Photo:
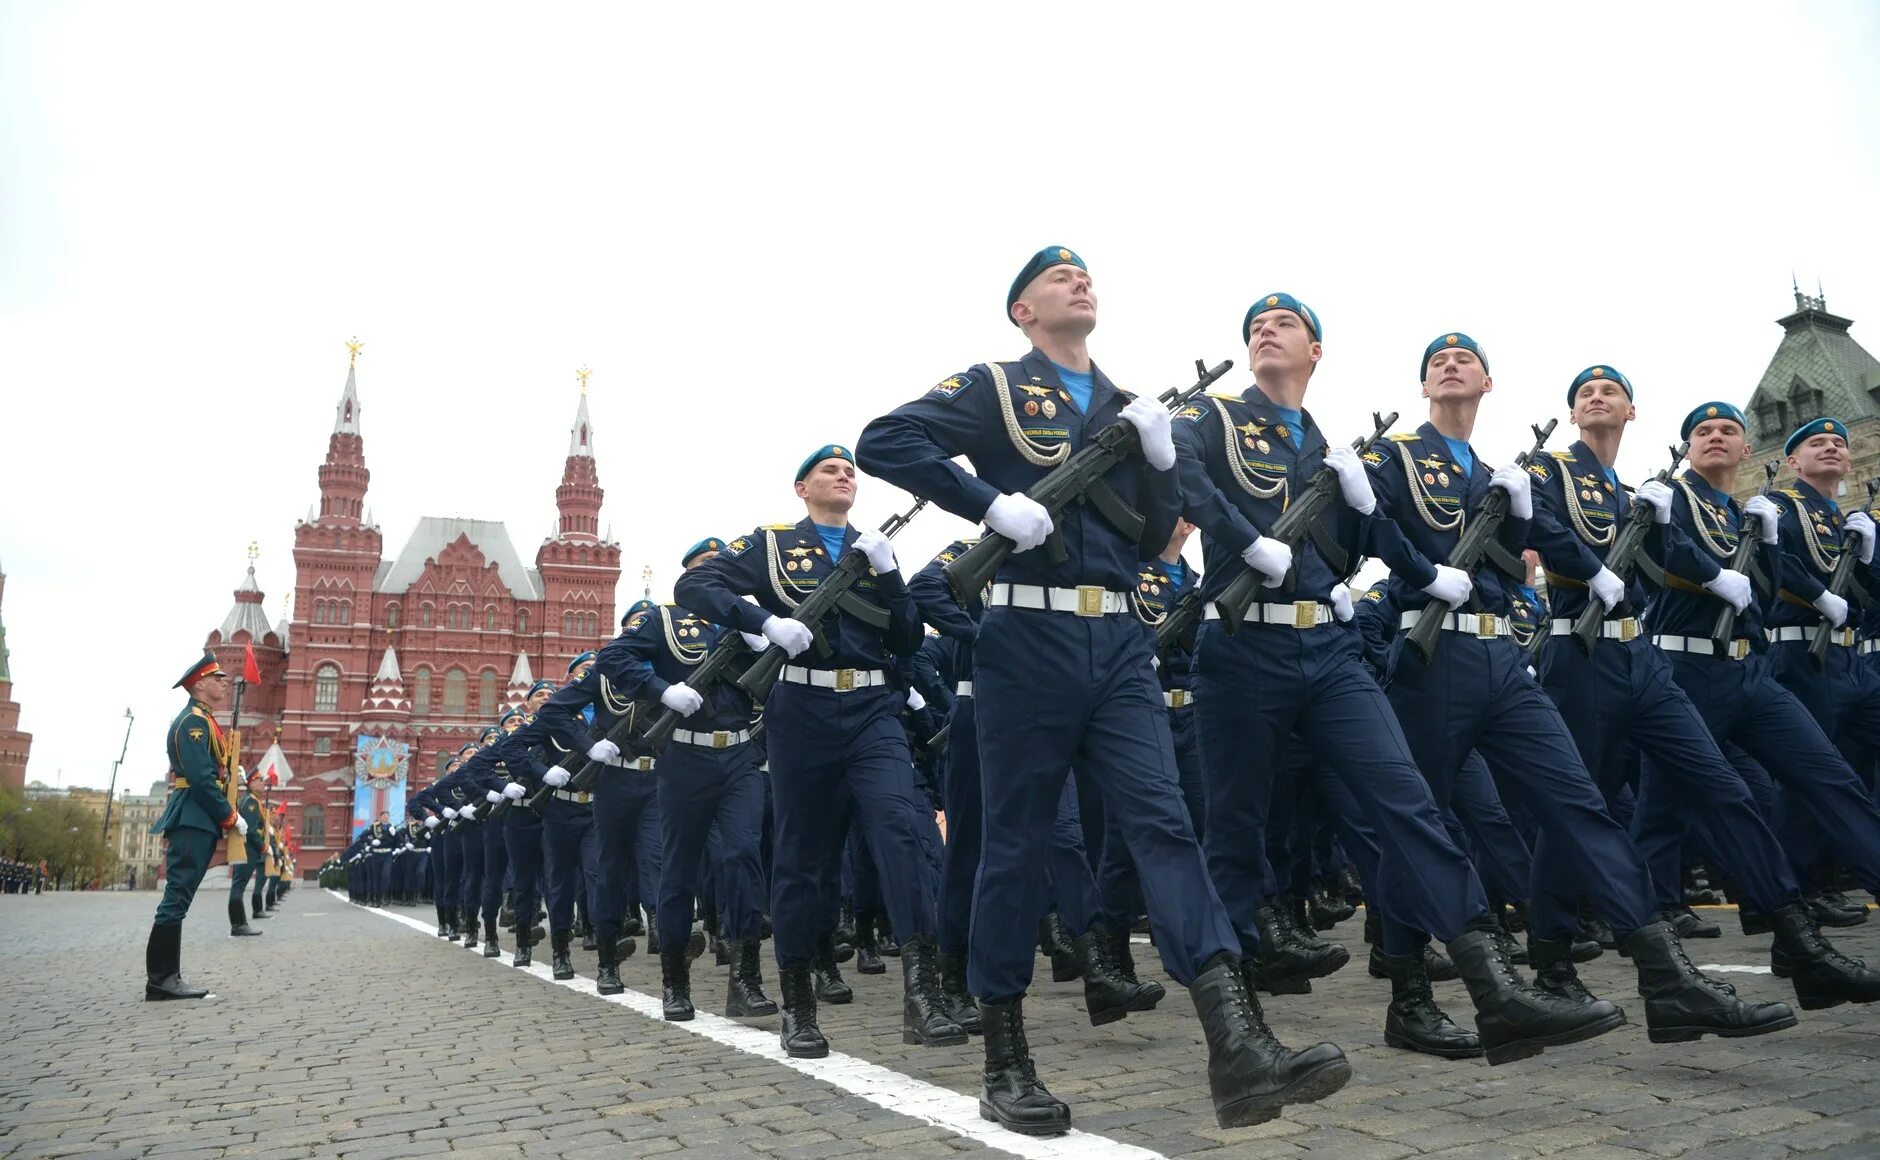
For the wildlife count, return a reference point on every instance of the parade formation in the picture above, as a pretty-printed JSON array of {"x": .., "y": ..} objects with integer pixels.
[{"x": 1060, "y": 733}]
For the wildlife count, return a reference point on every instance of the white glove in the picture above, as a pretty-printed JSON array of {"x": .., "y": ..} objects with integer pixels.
[
  {"x": 1862, "y": 523},
  {"x": 1020, "y": 519},
  {"x": 514, "y": 791},
  {"x": 1353, "y": 483},
  {"x": 1150, "y": 419},
  {"x": 469, "y": 813},
  {"x": 430, "y": 823},
  {"x": 557, "y": 777},
  {"x": 879, "y": 549},
  {"x": 1514, "y": 481},
  {"x": 754, "y": 642},
  {"x": 681, "y": 699},
  {"x": 603, "y": 751},
  {"x": 1341, "y": 599},
  {"x": 1732, "y": 586},
  {"x": 1451, "y": 586},
  {"x": 1269, "y": 557},
  {"x": 1768, "y": 516},
  {"x": 1833, "y": 608},
  {"x": 1659, "y": 496},
  {"x": 450, "y": 813},
  {"x": 1608, "y": 587},
  {"x": 492, "y": 796},
  {"x": 915, "y": 701},
  {"x": 242, "y": 825},
  {"x": 793, "y": 636}
]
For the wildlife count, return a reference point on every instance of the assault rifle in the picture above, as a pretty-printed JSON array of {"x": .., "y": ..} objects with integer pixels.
[
  {"x": 1839, "y": 582},
  {"x": 1623, "y": 556},
  {"x": 1742, "y": 560},
  {"x": 1178, "y": 627},
  {"x": 1079, "y": 479}
]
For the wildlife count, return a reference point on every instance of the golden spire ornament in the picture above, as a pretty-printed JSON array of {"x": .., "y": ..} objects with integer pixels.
[
  {"x": 354, "y": 346},
  {"x": 583, "y": 374}
]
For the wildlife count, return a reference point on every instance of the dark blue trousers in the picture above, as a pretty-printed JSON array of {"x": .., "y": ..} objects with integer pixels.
[
  {"x": 965, "y": 827},
  {"x": 495, "y": 864},
  {"x": 826, "y": 746},
  {"x": 446, "y": 870},
  {"x": 1119, "y": 890},
  {"x": 571, "y": 859},
  {"x": 1501, "y": 855},
  {"x": 1258, "y": 689},
  {"x": 1073, "y": 887},
  {"x": 470, "y": 864},
  {"x": 1477, "y": 694},
  {"x": 711, "y": 805},
  {"x": 522, "y": 844},
  {"x": 627, "y": 820},
  {"x": 1056, "y": 691}
]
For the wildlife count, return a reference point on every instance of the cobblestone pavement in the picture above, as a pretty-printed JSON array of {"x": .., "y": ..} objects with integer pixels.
[{"x": 345, "y": 1033}]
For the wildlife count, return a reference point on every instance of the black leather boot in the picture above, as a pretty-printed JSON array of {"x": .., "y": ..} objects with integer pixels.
[
  {"x": 163, "y": 972},
  {"x": 959, "y": 1001},
  {"x": 843, "y": 937},
  {"x": 1285, "y": 966},
  {"x": 831, "y": 987},
  {"x": 745, "y": 998},
  {"x": 675, "y": 981},
  {"x": 1682, "y": 1003},
  {"x": 1596, "y": 929},
  {"x": 1373, "y": 927},
  {"x": 238, "y": 921},
  {"x": 800, "y": 1036},
  {"x": 1832, "y": 908},
  {"x": 470, "y": 927},
  {"x": 524, "y": 943},
  {"x": 560, "y": 965},
  {"x": 1435, "y": 964},
  {"x": 652, "y": 931},
  {"x": 1012, "y": 1096},
  {"x": 633, "y": 925},
  {"x": 1414, "y": 1022},
  {"x": 1822, "y": 976},
  {"x": 607, "y": 977},
  {"x": 588, "y": 942},
  {"x": 506, "y": 913},
  {"x": 867, "y": 954},
  {"x": 443, "y": 921},
  {"x": 1054, "y": 938},
  {"x": 1553, "y": 969},
  {"x": 490, "y": 948},
  {"x": 1328, "y": 907},
  {"x": 1251, "y": 1075},
  {"x": 1109, "y": 994},
  {"x": 1753, "y": 921},
  {"x": 625, "y": 946},
  {"x": 1686, "y": 922},
  {"x": 885, "y": 941},
  {"x": 1513, "y": 1019},
  {"x": 924, "y": 1016}
]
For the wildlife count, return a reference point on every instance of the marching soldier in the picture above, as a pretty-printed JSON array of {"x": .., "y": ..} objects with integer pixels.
[
  {"x": 255, "y": 839},
  {"x": 195, "y": 816}
]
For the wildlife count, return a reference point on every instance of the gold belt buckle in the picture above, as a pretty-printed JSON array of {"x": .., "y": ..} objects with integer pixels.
[
  {"x": 581, "y": 797},
  {"x": 1485, "y": 626},
  {"x": 1089, "y": 600},
  {"x": 1846, "y": 637},
  {"x": 1177, "y": 698},
  {"x": 720, "y": 739},
  {"x": 1305, "y": 613},
  {"x": 845, "y": 680},
  {"x": 1739, "y": 648},
  {"x": 1628, "y": 628}
]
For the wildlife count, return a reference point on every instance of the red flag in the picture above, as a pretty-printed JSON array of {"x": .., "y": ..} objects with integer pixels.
[
  {"x": 273, "y": 777},
  {"x": 251, "y": 672}
]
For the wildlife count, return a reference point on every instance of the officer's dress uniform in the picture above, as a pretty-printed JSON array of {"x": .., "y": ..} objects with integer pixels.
[
  {"x": 196, "y": 814},
  {"x": 380, "y": 846},
  {"x": 835, "y": 744},
  {"x": 571, "y": 844},
  {"x": 446, "y": 868},
  {"x": 251, "y": 866}
]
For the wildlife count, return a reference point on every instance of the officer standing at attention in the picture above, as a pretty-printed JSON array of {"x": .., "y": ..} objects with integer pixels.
[
  {"x": 194, "y": 817},
  {"x": 239, "y": 873},
  {"x": 835, "y": 741},
  {"x": 1062, "y": 676}
]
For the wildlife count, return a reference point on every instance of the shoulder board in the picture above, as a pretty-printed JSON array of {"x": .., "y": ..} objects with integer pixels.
[
  {"x": 1790, "y": 492},
  {"x": 1223, "y": 396},
  {"x": 670, "y": 604},
  {"x": 195, "y": 712},
  {"x": 779, "y": 528},
  {"x": 1403, "y": 436},
  {"x": 1563, "y": 456}
]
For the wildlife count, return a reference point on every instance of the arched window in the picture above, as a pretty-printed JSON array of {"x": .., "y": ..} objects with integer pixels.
[
  {"x": 486, "y": 692},
  {"x": 421, "y": 693},
  {"x": 319, "y": 612},
  {"x": 567, "y": 624},
  {"x": 391, "y": 616},
  {"x": 344, "y": 610},
  {"x": 322, "y": 746},
  {"x": 455, "y": 690},
  {"x": 457, "y": 616},
  {"x": 489, "y": 618},
  {"x": 522, "y": 620},
  {"x": 425, "y": 614},
  {"x": 326, "y": 688},
  {"x": 313, "y": 825}
]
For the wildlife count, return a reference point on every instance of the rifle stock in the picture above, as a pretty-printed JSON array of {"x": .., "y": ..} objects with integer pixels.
[
  {"x": 1837, "y": 584},
  {"x": 1725, "y": 629},
  {"x": 1621, "y": 557}
]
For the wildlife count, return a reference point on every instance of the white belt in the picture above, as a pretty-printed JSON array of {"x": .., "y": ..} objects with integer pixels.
[
  {"x": 1867, "y": 646},
  {"x": 841, "y": 680},
  {"x": 963, "y": 689},
  {"x": 1485, "y": 625},
  {"x": 1702, "y": 646},
  {"x": 641, "y": 763},
  {"x": 1298, "y": 614},
  {"x": 720, "y": 739},
  {"x": 1083, "y": 600},
  {"x": 1625, "y": 628},
  {"x": 1840, "y": 637},
  {"x": 1178, "y": 698},
  {"x": 578, "y": 797}
]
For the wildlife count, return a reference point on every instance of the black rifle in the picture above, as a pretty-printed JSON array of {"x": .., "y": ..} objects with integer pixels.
[
  {"x": 1838, "y": 583},
  {"x": 1291, "y": 528},
  {"x": 1476, "y": 543},
  {"x": 586, "y": 771},
  {"x": 1622, "y": 557},
  {"x": 1079, "y": 479},
  {"x": 1742, "y": 560},
  {"x": 1178, "y": 626},
  {"x": 831, "y": 596},
  {"x": 936, "y": 745}
]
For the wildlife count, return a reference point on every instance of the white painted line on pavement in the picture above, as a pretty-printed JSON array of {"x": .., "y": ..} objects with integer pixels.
[
  {"x": 883, "y": 1087},
  {"x": 1736, "y": 967}
]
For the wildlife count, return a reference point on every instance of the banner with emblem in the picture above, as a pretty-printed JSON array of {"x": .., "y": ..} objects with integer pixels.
[{"x": 380, "y": 767}]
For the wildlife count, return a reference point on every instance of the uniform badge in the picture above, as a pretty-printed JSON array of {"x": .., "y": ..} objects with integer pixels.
[
  {"x": 195, "y": 735},
  {"x": 1821, "y": 529},
  {"x": 1155, "y": 590},
  {"x": 1263, "y": 445},
  {"x": 1586, "y": 495},
  {"x": 805, "y": 563},
  {"x": 947, "y": 388},
  {"x": 1050, "y": 409},
  {"x": 1282, "y": 432},
  {"x": 1031, "y": 406},
  {"x": 1442, "y": 477},
  {"x": 1065, "y": 395},
  {"x": 1456, "y": 467},
  {"x": 789, "y": 565},
  {"x": 1429, "y": 479},
  {"x": 1143, "y": 587}
]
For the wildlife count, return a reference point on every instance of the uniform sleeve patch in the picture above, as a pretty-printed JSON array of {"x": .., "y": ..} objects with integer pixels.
[
  {"x": 948, "y": 387},
  {"x": 735, "y": 548},
  {"x": 1374, "y": 458},
  {"x": 1190, "y": 412}
]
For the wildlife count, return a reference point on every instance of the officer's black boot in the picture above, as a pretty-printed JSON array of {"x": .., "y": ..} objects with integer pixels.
[
  {"x": 1685, "y": 921},
  {"x": 607, "y": 976},
  {"x": 675, "y": 982},
  {"x": 1054, "y": 938},
  {"x": 1753, "y": 921},
  {"x": 801, "y": 1038},
  {"x": 843, "y": 938},
  {"x": 1596, "y": 929},
  {"x": 1513, "y": 1019},
  {"x": 506, "y": 914},
  {"x": 624, "y": 944},
  {"x": 238, "y": 921},
  {"x": 1298, "y": 920},
  {"x": 1435, "y": 964},
  {"x": 163, "y": 972},
  {"x": 633, "y": 925},
  {"x": 1283, "y": 967},
  {"x": 1682, "y": 1004},
  {"x": 1553, "y": 969},
  {"x": 885, "y": 943},
  {"x": 746, "y": 997},
  {"x": 490, "y": 948},
  {"x": 1831, "y": 908},
  {"x": 652, "y": 931},
  {"x": 867, "y": 954},
  {"x": 559, "y": 964},
  {"x": 924, "y": 1016},
  {"x": 1110, "y": 993},
  {"x": 1329, "y": 908},
  {"x": 831, "y": 987},
  {"x": 1822, "y": 976},
  {"x": 1012, "y": 1096},
  {"x": 258, "y": 910},
  {"x": 443, "y": 920},
  {"x": 959, "y": 1001},
  {"x": 1373, "y": 929},
  {"x": 470, "y": 927},
  {"x": 1251, "y": 1075},
  {"x": 1414, "y": 1022},
  {"x": 524, "y": 941}
]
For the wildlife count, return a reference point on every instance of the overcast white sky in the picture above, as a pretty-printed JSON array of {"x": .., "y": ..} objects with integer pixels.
[{"x": 762, "y": 225}]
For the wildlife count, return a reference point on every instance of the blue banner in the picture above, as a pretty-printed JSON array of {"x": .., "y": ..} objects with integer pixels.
[{"x": 380, "y": 766}]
